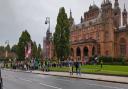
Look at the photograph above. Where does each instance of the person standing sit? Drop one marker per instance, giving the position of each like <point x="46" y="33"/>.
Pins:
<point x="72" y="64"/>
<point x="69" y="65"/>
<point x="79" y="67"/>
<point x="101" y="64"/>
<point x="76" y="66"/>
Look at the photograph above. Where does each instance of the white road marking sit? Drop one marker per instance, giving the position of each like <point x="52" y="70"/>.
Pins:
<point x="105" y="86"/>
<point x="25" y="80"/>
<point x="64" y="80"/>
<point x="40" y="83"/>
<point x="50" y="86"/>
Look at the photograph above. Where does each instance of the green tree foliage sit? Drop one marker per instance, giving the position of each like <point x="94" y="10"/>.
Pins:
<point x="61" y="35"/>
<point x="34" y="50"/>
<point x="14" y="49"/>
<point x="2" y="49"/>
<point x="23" y="40"/>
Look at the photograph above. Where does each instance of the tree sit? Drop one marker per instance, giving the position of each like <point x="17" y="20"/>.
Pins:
<point x="14" y="49"/>
<point x="2" y="49"/>
<point x="39" y="51"/>
<point x="34" y="50"/>
<point x="23" y="41"/>
<point x="61" y="35"/>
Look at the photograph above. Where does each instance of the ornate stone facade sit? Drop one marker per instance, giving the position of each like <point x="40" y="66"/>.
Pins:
<point x="100" y="32"/>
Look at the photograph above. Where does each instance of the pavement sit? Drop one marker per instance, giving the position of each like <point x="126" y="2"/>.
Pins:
<point x="115" y="79"/>
<point x="16" y="79"/>
<point x="106" y="78"/>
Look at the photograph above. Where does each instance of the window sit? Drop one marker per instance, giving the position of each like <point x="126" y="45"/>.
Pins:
<point x="122" y="47"/>
<point x="123" y="50"/>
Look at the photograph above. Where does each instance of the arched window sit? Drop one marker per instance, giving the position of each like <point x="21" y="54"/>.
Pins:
<point x="78" y="52"/>
<point x="93" y="51"/>
<point x="85" y="51"/>
<point x="122" y="47"/>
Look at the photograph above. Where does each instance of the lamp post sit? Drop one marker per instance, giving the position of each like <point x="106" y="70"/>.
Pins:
<point x="6" y="42"/>
<point x="50" y="43"/>
<point x="47" y="21"/>
<point x="6" y="53"/>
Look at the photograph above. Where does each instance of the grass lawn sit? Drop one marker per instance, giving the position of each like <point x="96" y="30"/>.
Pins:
<point x="107" y="69"/>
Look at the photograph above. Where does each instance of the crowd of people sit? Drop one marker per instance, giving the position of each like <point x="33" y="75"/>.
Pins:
<point x="74" y="65"/>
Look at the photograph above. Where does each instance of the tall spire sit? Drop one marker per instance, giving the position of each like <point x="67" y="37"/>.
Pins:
<point x="125" y="11"/>
<point x="104" y="2"/>
<point x="82" y="20"/>
<point x="124" y="14"/>
<point x="116" y="4"/>
<point x="70" y="13"/>
<point x="107" y="1"/>
<point x="93" y="2"/>
<point x="71" y="19"/>
<point x="124" y="8"/>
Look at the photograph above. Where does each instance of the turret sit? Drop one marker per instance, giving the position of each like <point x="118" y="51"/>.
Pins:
<point x="71" y="19"/>
<point x="116" y="4"/>
<point x="117" y="14"/>
<point x="124" y="16"/>
<point x="106" y="7"/>
<point x="81" y="20"/>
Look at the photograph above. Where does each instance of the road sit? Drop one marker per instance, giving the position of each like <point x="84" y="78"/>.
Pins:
<point x="21" y="80"/>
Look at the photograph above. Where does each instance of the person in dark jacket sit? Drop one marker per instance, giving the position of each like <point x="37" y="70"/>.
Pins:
<point x="76" y="66"/>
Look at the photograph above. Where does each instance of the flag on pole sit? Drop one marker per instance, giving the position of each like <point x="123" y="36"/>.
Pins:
<point x="28" y="50"/>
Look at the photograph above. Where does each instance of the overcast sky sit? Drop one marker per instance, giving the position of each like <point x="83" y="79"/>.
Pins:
<point x="18" y="15"/>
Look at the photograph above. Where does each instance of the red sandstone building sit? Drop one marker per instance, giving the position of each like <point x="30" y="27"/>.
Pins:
<point x="100" y="32"/>
<point x="47" y="45"/>
<point x="103" y="31"/>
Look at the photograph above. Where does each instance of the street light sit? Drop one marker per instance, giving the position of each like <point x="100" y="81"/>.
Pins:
<point x="6" y="42"/>
<point x="47" y="21"/>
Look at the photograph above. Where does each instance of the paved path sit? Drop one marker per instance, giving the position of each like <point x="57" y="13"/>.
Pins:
<point x="88" y="76"/>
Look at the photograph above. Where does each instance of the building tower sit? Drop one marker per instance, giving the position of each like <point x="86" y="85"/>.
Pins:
<point x="117" y="14"/>
<point x="124" y="16"/>
<point x="81" y="20"/>
<point x="106" y="7"/>
<point x="71" y="19"/>
<point x="108" y="31"/>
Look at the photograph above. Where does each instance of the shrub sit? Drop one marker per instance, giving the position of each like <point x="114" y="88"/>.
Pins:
<point x="123" y="60"/>
<point x="106" y="59"/>
<point x="114" y="61"/>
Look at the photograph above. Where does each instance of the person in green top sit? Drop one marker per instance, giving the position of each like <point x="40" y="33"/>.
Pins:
<point x="101" y="64"/>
